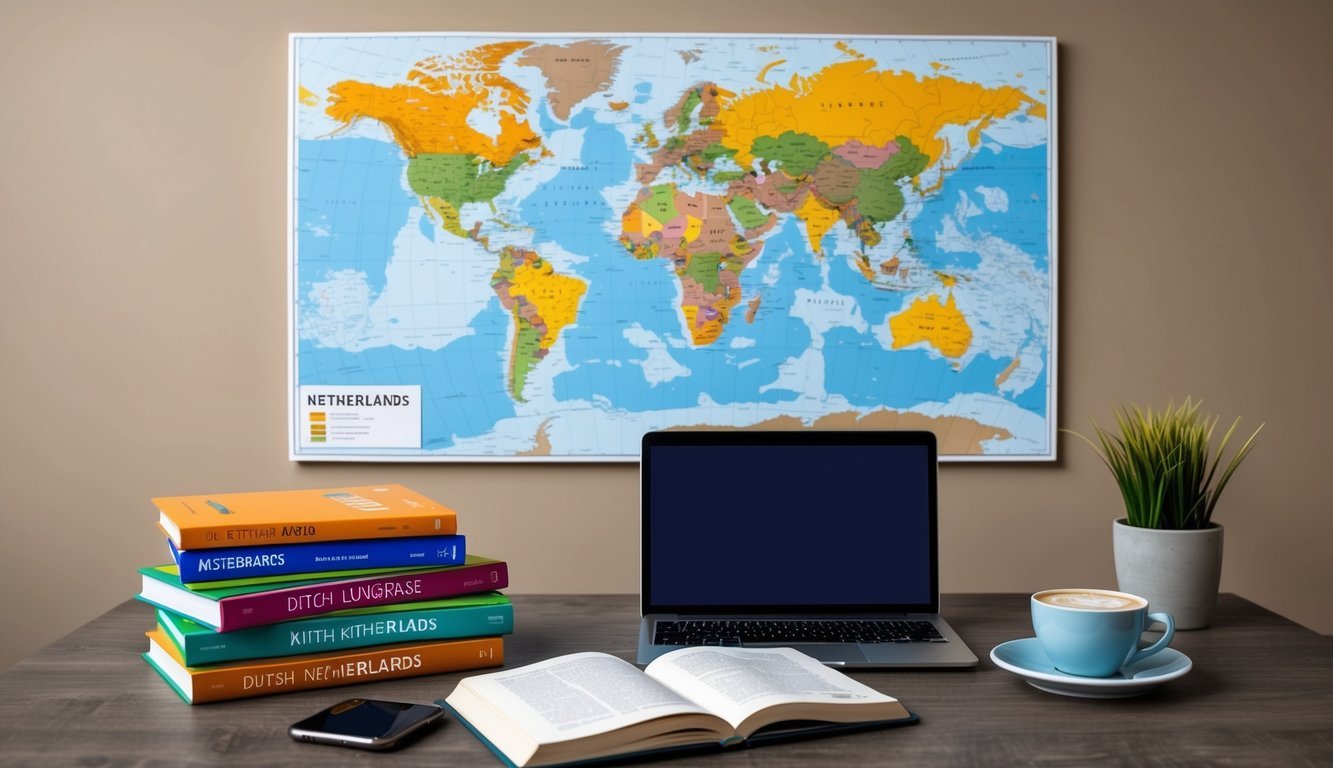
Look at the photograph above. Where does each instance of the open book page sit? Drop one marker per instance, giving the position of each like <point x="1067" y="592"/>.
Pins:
<point x="571" y="697"/>
<point x="736" y="684"/>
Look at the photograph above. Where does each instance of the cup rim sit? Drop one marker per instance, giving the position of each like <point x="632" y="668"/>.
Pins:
<point x="1141" y="603"/>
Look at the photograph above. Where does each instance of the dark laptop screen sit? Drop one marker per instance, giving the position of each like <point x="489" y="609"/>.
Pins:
<point x="802" y="521"/>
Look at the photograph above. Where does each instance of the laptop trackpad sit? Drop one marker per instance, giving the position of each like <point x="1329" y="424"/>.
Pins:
<point x="841" y="653"/>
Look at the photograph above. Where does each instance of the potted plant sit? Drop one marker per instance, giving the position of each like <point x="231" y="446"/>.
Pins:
<point x="1167" y="548"/>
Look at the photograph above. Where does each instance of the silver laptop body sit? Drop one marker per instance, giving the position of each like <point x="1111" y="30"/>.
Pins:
<point x="823" y="541"/>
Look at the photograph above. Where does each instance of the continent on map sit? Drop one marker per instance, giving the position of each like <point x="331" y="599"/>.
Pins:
<point x="541" y="304"/>
<point x="939" y="324"/>
<point x="429" y="113"/>
<point x="958" y="435"/>
<point x="448" y="181"/>
<point x="697" y="234"/>
<point x="852" y="101"/>
<point x="862" y="134"/>
<point x="696" y="151"/>
<point x="574" y="71"/>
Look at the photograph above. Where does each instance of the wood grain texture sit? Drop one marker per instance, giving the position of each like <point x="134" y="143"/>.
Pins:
<point x="1261" y="693"/>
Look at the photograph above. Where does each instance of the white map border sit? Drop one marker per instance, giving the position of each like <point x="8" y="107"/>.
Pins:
<point x="390" y="456"/>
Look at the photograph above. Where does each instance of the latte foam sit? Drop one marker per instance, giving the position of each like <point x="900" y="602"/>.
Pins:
<point x="1089" y="601"/>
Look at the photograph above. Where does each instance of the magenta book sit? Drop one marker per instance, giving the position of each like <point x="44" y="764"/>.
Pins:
<point x="238" y="607"/>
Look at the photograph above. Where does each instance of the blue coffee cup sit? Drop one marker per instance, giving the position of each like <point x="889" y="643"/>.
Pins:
<point x="1095" y="632"/>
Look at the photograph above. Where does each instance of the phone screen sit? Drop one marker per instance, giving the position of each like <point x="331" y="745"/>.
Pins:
<point x="366" y="723"/>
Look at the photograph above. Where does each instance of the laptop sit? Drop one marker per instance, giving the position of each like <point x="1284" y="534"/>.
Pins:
<point x="823" y="541"/>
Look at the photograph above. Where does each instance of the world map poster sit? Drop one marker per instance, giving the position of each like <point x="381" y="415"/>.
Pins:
<point x="520" y="246"/>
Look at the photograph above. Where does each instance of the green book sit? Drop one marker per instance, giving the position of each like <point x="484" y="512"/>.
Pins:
<point x="481" y="615"/>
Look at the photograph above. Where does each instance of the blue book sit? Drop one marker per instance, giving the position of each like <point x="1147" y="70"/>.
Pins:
<point x="264" y="561"/>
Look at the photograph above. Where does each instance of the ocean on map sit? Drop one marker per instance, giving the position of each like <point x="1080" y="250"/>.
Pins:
<point x="1023" y="174"/>
<point x="350" y="205"/>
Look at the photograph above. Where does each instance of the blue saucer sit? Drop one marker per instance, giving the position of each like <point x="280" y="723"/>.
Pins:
<point x="1026" y="659"/>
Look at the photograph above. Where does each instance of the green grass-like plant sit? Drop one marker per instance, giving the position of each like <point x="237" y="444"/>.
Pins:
<point x="1161" y="461"/>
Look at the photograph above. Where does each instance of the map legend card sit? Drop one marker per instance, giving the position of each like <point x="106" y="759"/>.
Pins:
<point x="360" y="417"/>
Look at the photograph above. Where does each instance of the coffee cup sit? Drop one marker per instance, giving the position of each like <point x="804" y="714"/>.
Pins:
<point x="1095" y="632"/>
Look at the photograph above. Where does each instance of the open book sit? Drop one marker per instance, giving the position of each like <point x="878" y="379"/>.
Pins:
<point x="589" y="706"/>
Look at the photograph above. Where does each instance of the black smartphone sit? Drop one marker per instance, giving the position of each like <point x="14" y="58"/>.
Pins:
<point x="367" y="723"/>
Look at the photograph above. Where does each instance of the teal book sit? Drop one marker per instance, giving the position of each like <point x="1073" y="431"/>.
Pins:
<point x="482" y="615"/>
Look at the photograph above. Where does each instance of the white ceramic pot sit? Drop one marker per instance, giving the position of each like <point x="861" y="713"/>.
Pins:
<point x="1176" y="571"/>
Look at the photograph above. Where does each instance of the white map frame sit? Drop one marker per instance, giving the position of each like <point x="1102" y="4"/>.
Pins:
<point x="296" y="426"/>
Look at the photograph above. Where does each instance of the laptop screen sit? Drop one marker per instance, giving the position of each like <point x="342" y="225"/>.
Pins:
<point x="809" y="522"/>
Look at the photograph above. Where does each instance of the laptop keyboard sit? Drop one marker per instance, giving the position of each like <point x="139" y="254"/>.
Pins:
<point x="739" y="632"/>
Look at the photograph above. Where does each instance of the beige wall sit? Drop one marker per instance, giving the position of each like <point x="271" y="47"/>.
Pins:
<point x="142" y="316"/>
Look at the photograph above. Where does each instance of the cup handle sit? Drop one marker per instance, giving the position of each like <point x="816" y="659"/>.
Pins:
<point x="1162" y="643"/>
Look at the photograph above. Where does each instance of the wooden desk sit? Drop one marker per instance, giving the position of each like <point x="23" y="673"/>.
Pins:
<point x="1261" y="693"/>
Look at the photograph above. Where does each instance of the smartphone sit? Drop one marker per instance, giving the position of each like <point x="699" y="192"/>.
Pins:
<point x="367" y="723"/>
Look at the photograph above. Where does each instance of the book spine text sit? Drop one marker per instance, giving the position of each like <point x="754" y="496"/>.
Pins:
<point x="203" y="565"/>
<point x="217" y="536"/>
<point x="333" y="633"/>
<point x="273" y="606"/>
<point x="304" y="673"/>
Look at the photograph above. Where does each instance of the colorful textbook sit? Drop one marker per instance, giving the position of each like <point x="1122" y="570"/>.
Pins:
<point x="271" y="560"/>
<point x="243" y="679"/>
<point x="487" y="613"/>
<point x="232" y="608"/>
<point x="213" y="521"/>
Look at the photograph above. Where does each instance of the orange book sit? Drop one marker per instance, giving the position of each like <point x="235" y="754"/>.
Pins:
<point x="289" y="517"/>
<point x="261" y="677"/>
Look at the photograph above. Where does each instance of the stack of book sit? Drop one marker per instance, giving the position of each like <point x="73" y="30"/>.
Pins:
<point x="283" y="591"/>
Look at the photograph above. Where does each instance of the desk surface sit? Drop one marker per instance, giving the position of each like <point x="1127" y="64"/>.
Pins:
<point x="1260" y="693"/>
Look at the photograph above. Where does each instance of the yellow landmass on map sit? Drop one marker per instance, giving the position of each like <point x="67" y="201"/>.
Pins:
<point x="847" y="49"/>
<point x="941" y="325"/>
<point x="449" y="220"/>
<point x="974" y="133"/>
<point x="818" y="221"/>
<point x="851" y="99"/>
<point x="428" y="114"/>
<point x="640" y="222"/>
<point x="306" y="96"/>
<point x="477" y="69"/>
<point x="556" y="297"/>
<point x="763" y="73"/>
<point x="693" y="226"/>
